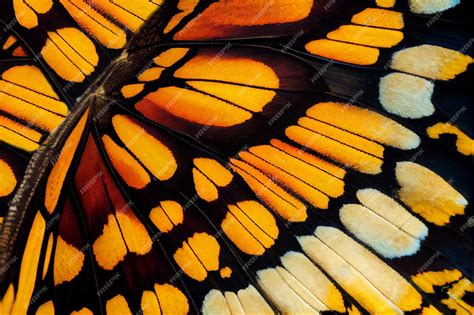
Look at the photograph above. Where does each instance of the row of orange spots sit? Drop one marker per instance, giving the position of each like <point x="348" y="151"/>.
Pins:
<point x="58" y="174"/>
<point x="198" y="255"/>
<point x="358" y="44"/>
<point x="19" y="51"/>
<point x="123" y="231"/>
<point x="208" y="174"/>
<point x="167" y="215"/>
<point x="211" y="103"/>
<point x="26" y="94"/>
<point x="464" y="144"/>
<point x="165" y="60"/>
<point x="250" y="226"/>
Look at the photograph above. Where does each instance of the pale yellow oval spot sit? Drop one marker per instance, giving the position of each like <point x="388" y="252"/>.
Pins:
<point x="117" y="305"/>
<point x="198" y="255"/>
<point x="172" y="300"/>
<point x="131" y="90"/>
<point x="205" y="189"/>
<point x="168" y="214"/>
<point x="251" y="227"/>
<point x="156" y="157"/>
<point x="349" y="53"/>
<point x="217" y="173"/>
<point x="126" y="165"/>
<point x="170" y="57"/>
<point x="68" y="261"/>
<point x="8" y="182"/>
<point x="427" y="194"/>
<point x="46" y="309"/>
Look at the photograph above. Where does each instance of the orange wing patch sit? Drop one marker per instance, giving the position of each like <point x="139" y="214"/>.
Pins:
<point x="167" y="215"/>
<point x="208" y="174"/>
<point x="26" y="11"/>
<point x="198" y="255"/>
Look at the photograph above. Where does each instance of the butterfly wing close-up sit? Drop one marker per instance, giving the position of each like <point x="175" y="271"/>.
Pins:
<point x="236" y="157"/>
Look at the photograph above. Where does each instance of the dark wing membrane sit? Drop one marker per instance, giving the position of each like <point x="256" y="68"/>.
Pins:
<point x="228" y="178"/>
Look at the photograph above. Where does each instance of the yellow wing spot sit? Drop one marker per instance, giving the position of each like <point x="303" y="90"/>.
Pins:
<point x="68" y="262"/>
<point x="18" y="135"/>
<point x="26" y="11"/>
<point x="26" y="94"/>
<point x="198" y="255"/>
<point x="229" y="69"/>
<point x="438" y="63"/>
<point x="131" y="90"/>
<point x="380" y="18"/>
<point x="353" y="310"/>
<point x="385" y="3"/>
<point x="456" y="294"/>
<point x="132" y="14"/>
<point x="29" y="265"/>
<point x="151" y="74"/>
<point x="70" y="53"/>
<point x="126" y="165"/>
<point x="153" y="154"/>
<point x="217" y="173"/>
<point x="150" y="304"/>
<point x="167" y="215"/>
<point x="170" y="57"/>
<point x="172" y="300"/>
<point x="344" y="52"/>
<point x="7" y="300"/>
<point x="83" y="311"/>
<point x="426" y="281"/>
<point x="287" y="206"/>
<point x="186" y="7"/>
<point x="225" y="272"/>
<point x="215" y="21"/>
<point x="251" y="227"/>
<point x="109" y="248"/>
<point x="430" y="310"/>
<point x="427" y="194"/>
<point x="375" y="285"/>
<point x="194" y="106"/>
<point x="8" y="182"/>
<point x="106" y="32"/>
<point x="249" y="98"/>
<point x="56" y="178"/>
<point x="46" y="309"/>
<point x="117" y="305"/>
<point x="49" y="249"/>
<point x="464" y="144"/>
<point x="9" y="42"/>
<point x="369" y="36"/>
